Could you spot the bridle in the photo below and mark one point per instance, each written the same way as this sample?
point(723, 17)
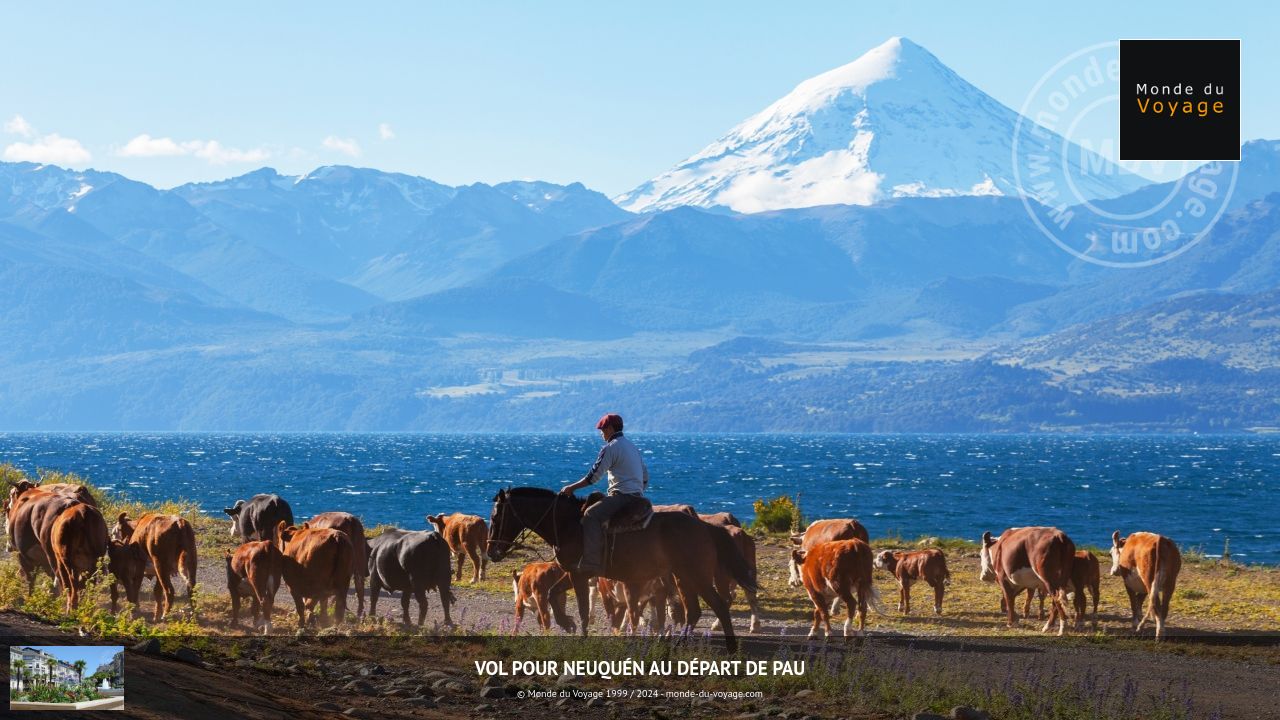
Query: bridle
point(496, 529)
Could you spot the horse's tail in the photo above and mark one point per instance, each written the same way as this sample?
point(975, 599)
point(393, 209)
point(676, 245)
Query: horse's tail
point(730, 557)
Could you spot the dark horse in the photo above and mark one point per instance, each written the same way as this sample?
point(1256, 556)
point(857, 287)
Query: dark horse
point(673, 543)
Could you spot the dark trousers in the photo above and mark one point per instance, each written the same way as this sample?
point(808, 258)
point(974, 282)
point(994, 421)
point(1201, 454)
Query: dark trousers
point(593, 524)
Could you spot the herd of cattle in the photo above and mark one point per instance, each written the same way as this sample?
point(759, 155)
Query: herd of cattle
point(59, 529)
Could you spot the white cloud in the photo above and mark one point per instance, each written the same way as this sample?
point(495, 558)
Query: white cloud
point(385, 132)
point(19, 126)
point(211, 151)
point(346, 146)
point(146, 146)
point(52, 148)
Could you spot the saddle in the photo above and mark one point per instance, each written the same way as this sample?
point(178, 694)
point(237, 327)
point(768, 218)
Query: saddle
point(630, 520)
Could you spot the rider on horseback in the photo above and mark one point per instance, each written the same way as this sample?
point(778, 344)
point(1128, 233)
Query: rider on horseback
point(628, 479)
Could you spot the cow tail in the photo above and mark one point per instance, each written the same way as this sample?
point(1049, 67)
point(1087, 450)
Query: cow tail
point(1157, 587)
point(187, 553)
point(873, 598)
point(730, 557)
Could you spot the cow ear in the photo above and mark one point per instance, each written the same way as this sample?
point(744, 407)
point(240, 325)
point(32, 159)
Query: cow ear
point(124, 517)
point(232, 511)
point(797, 539)
point(1115, 539)
point(306, 525)
point(986, 538)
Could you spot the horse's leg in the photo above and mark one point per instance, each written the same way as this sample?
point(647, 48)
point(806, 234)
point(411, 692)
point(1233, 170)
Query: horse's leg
point(718, 606)
point(660, 608)
point(582, 594)
point(689, 602)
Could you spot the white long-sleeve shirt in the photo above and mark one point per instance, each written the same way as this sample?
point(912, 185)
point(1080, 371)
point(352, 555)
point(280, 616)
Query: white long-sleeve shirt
point(622, 461)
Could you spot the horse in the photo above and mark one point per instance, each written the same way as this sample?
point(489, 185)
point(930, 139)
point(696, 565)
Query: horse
point(672, 542)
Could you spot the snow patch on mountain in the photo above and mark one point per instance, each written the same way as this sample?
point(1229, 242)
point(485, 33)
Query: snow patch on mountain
point(896, 122)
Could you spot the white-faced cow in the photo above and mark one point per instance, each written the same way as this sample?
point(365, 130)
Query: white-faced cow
point(258, 518)
point(1149, 564)
point(1030, 557)
point(911, 567)
point(820, 531)
point(838, 570)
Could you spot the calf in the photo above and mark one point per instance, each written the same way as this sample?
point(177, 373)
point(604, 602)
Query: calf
point(351, 525)
point(837, 570)
point(466, 535)
point(1030, 557)
point(911, 567)
point(1149, 564)
point(78, 539)
point(625, 602)
point(169, 544)
point(316, 565)
point(820, 531)
point(127, 564)
point(258, 518)
point(410, 563)
point(542, 587)
point(254, 571)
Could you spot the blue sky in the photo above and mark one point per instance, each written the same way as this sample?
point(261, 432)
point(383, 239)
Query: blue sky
point(608, 94)
point(93, 655)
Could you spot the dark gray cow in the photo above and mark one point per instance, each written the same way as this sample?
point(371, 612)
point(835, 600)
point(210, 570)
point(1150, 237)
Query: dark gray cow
point(257, 518)
point(410, 563)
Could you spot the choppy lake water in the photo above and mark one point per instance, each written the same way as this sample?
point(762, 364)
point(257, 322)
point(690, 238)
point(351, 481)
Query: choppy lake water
point(1198, 490)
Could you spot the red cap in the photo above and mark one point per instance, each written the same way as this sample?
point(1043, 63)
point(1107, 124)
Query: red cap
point(612, 420)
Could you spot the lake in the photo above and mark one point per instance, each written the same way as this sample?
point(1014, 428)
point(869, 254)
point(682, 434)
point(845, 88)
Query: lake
point(1198, 490)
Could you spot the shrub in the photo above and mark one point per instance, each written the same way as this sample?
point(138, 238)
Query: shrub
point(779, 515)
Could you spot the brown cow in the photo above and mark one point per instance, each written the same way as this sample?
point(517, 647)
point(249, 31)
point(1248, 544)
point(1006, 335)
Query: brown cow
point(1084, 577)
point(1030, 557)
point(820, 531)
point(29, 524)
point(351, 525)
point(77, 540)
point(169, 543)
point(542, 587)
point(837, 570)
point(466, 535)
point(910, 567)
point(685, 508)
point(316, 565)
point(25, 491)
point(1149, 564)
point(254, 571)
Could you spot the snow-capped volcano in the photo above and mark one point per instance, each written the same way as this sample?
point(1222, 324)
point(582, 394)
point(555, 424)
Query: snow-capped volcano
point(895, 122)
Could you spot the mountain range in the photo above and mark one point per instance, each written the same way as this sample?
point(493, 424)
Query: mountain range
point(886, 278)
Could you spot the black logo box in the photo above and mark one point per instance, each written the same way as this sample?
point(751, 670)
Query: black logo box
point(1185, 68)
